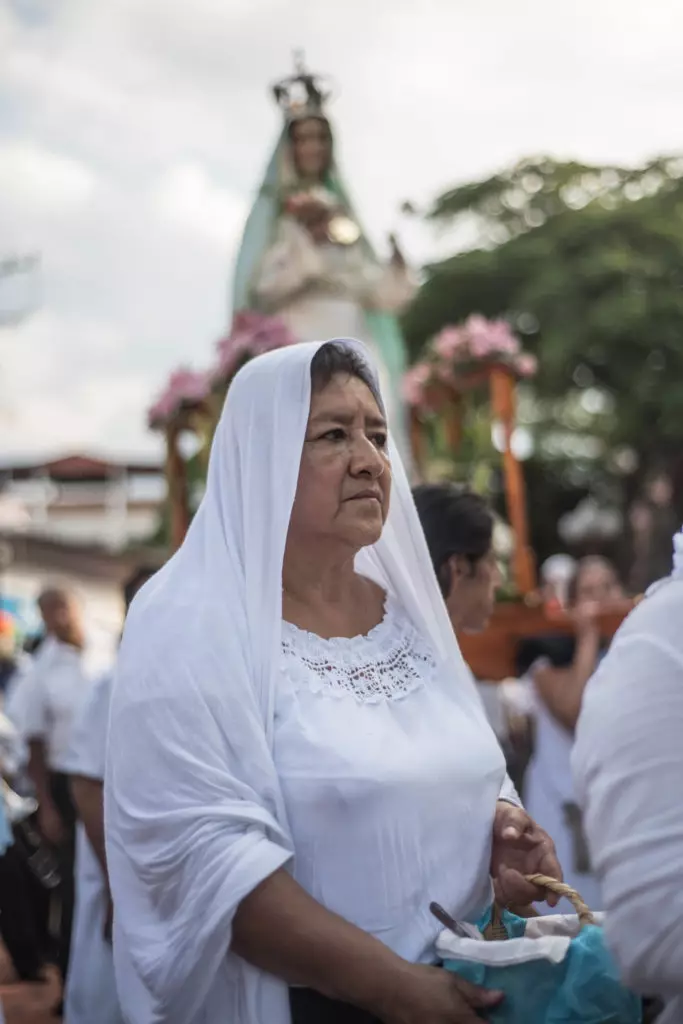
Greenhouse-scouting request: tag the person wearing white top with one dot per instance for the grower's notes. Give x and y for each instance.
(628, 766)
(559, 680)
(298, 762)
(55, 691)
(91, 987)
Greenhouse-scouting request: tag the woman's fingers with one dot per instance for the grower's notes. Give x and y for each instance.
(476, 996)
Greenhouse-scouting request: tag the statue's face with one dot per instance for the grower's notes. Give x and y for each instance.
(311, 147)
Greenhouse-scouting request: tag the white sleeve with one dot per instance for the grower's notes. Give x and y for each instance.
(16, 696)
(289, 265)
(30, 706)
(628, 767)
(88, 748)
(187, 839)
(509, 793)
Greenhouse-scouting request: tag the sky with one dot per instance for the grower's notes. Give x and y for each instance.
(133, 134)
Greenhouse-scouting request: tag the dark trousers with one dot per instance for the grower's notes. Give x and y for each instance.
(66, 855)
(309, 1007)
(24, 910)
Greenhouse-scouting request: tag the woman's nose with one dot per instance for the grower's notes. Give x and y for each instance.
(366, 458)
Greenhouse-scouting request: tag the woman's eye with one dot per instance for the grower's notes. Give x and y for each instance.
(337, 434)
(380, 439)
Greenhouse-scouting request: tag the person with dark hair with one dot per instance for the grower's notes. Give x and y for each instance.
(54, 692)
(298, 762)
(90, 986)
(458, 526)
(559, 673)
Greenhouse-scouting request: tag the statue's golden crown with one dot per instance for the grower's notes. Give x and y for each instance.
(302, 94)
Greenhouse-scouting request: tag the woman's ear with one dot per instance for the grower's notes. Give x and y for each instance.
(460, 567)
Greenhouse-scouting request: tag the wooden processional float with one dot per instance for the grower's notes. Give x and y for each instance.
(492, 654)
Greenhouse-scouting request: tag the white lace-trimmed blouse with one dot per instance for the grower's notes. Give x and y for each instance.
(390, 781)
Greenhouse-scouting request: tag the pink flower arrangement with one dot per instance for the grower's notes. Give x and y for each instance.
(185, 387)
(457, 348)
(414, 383)
(251, 335)
(526, 364)
(477, 338)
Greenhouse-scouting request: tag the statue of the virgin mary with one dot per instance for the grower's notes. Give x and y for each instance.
(304, 256)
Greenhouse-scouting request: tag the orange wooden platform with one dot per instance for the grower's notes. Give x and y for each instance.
(491, 654)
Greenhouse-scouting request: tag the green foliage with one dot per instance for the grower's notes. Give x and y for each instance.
(587, 264)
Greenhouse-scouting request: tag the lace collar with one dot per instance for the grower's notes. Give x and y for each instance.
(387, 663)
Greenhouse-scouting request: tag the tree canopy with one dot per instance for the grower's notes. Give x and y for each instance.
(587, 264)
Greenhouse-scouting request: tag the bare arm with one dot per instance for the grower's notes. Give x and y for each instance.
(561, 689)
(284, 931)
(39, 773)
(322, 951)
(88, 797)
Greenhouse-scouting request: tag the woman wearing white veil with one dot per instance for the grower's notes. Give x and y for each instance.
(298, 761)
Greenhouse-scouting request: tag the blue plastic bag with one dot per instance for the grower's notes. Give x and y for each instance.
(584, 988)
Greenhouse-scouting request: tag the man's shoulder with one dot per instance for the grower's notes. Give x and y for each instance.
(657, 617)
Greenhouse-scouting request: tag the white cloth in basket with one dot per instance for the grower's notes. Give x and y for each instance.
(546, 938)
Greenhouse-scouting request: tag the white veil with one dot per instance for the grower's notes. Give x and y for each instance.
(194, 813)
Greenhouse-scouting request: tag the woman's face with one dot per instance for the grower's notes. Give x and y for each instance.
(472, 593)
(311, 149)
(342, 497)
(597, 583)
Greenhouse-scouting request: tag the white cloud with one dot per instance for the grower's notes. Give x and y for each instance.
(41, 179)
(70, 388)
(186, 196)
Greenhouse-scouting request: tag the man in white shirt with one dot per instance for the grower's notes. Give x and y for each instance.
(91, 988)
(54, 694)
(628, 767)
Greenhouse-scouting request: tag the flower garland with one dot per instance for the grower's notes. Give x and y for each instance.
(252, 334)
(185, 387)
(457, 350)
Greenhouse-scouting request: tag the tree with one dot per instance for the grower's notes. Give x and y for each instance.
(587, 263)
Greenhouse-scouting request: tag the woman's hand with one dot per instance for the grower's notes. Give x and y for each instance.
(520, 848)
(586, 616)
(432, 995)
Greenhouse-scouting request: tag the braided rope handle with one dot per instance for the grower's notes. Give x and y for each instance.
(560, 889)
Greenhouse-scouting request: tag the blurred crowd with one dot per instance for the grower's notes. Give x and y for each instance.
(54, 903)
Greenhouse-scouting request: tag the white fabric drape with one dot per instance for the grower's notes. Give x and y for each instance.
(90, 986)
(194, 812)
(628, 766)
